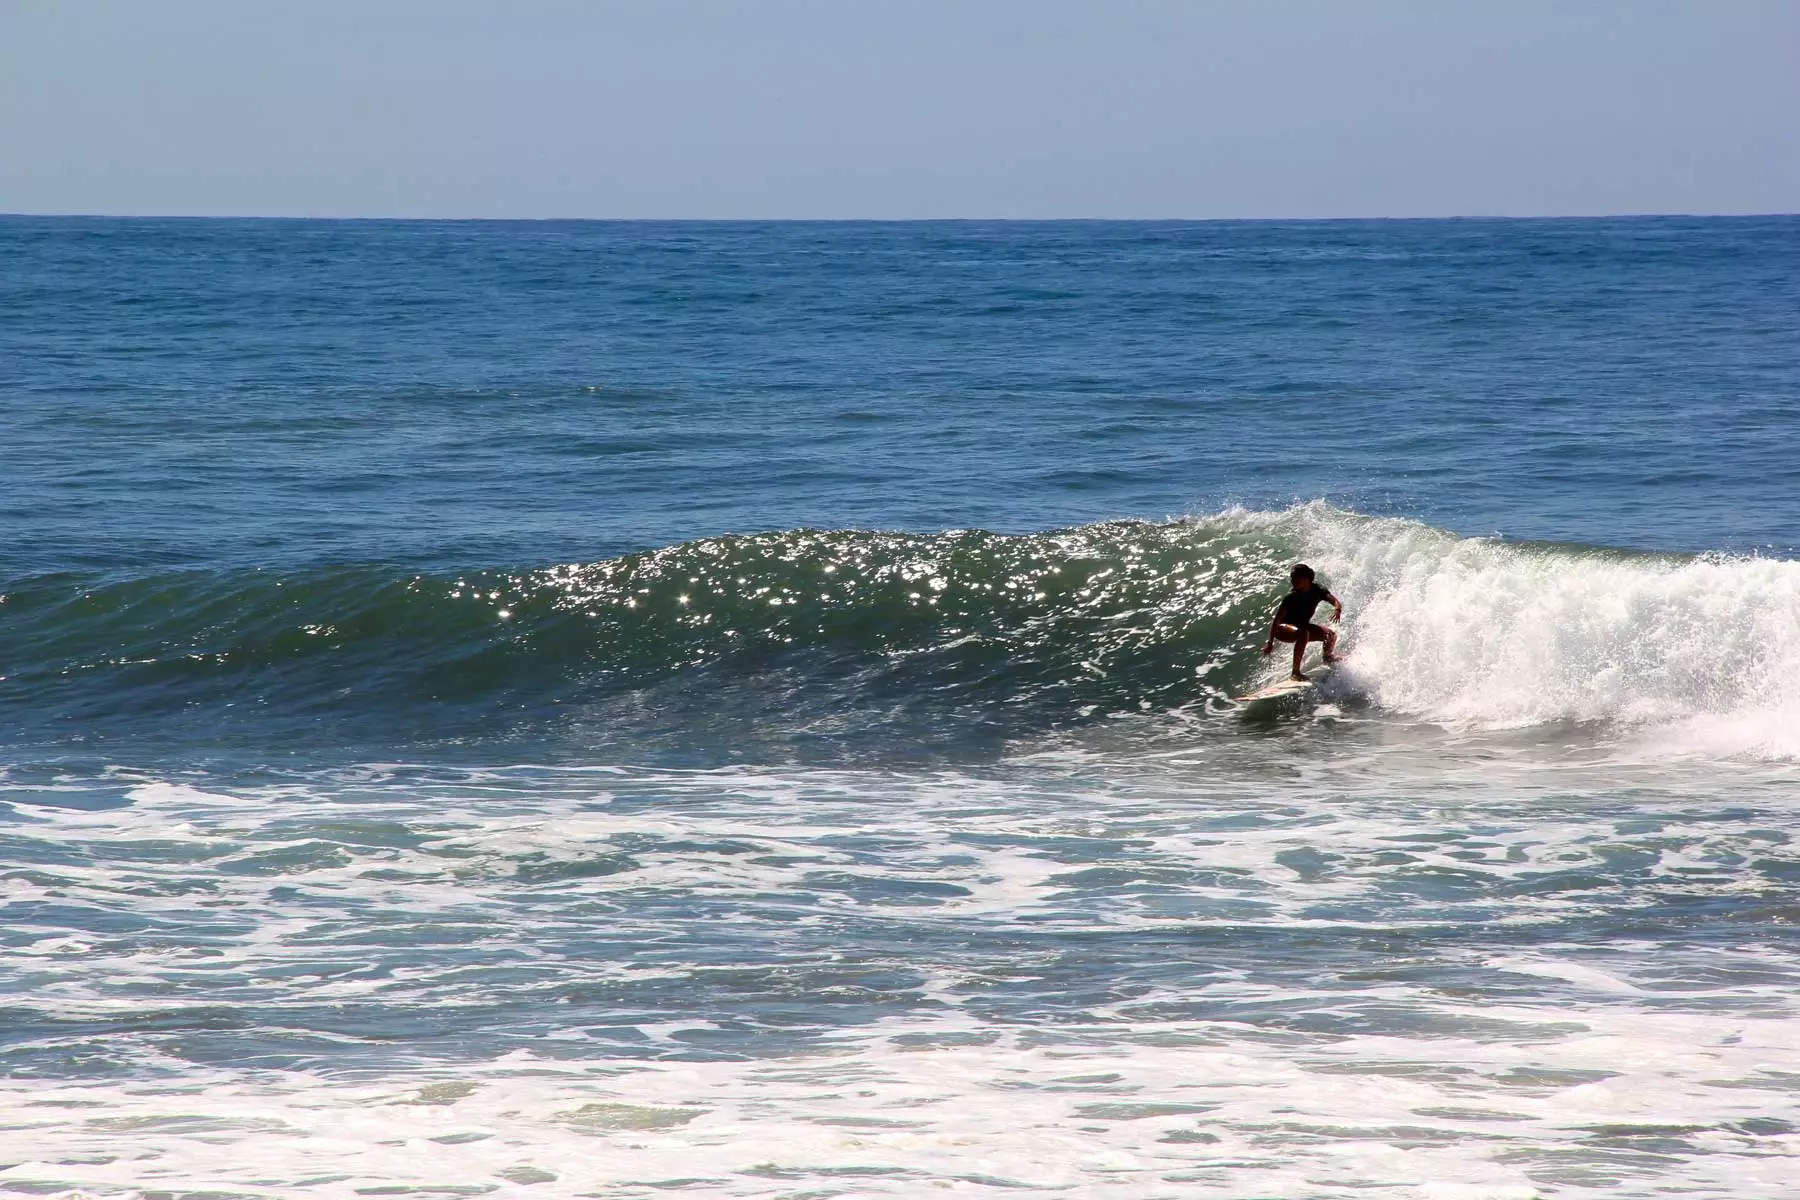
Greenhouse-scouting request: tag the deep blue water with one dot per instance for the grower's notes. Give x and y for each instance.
(582, 706)
(470, 394)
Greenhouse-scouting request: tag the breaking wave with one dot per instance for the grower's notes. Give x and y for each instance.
(915, 639)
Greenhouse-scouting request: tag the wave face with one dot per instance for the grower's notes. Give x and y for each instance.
(730, 640)
(851, 642)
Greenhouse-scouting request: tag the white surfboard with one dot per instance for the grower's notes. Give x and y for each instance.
(1286, 687)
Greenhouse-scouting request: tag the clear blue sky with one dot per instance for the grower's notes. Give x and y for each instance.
(899, 108)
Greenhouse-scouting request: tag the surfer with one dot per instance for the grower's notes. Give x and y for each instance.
(1293, 618)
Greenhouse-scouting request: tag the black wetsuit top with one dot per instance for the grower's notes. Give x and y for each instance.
(1297, 607)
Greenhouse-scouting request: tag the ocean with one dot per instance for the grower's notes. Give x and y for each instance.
(744, 709)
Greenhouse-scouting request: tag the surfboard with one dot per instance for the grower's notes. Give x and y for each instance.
(1286, 687)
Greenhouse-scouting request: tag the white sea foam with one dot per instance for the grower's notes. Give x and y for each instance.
(1699, 655)
(1140, 1110)
(1189, 983)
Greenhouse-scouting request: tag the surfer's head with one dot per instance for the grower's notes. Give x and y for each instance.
(1300, 574)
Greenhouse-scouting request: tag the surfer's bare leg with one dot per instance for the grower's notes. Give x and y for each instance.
(1296, 635)
(1302, 636)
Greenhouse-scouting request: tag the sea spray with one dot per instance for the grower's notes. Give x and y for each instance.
(1485, 633)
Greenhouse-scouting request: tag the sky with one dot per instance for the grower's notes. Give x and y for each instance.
(899, 108)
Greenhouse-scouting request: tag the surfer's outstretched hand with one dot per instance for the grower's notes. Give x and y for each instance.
(1268, 647)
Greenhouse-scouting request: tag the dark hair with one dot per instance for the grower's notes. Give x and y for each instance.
(1301, 571)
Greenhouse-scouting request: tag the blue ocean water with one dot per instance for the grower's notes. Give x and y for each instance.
(741, 709)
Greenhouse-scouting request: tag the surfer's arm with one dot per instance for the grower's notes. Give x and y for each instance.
(1337, 607)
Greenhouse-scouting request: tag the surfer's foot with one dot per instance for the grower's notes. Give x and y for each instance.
(1334, 658)
(1297, 677)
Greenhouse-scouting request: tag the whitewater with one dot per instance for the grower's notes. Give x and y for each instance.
(1067, 973)
(624, 709)
(1682, 652)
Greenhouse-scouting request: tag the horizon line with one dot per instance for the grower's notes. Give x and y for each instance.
(1621, 216)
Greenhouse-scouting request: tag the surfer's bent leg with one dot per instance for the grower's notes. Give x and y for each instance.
(1329, 637)
(1299, 635)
